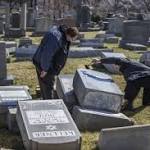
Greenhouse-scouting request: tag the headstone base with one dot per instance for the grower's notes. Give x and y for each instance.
(14, 33)
(91, 120)
(8, 81)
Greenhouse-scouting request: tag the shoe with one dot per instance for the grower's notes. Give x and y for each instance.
(146, 103)
(127, 106)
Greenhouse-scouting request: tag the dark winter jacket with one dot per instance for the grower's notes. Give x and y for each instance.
(52, 52)
(131, 70)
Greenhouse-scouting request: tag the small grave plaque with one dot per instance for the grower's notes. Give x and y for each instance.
(47, 125)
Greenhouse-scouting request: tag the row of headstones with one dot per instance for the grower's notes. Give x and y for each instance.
(135, 33)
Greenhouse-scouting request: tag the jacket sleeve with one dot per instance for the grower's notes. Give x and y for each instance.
(49, 48)
(113, 60)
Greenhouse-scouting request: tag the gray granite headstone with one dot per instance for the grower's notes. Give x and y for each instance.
(125, 138)
(95, 43)
(46, 125)
(136, 32)
(65, 91)
(82, 52)
(97, 91)
(92, 120)
(25, 41)
(15, 20)
(145, 58)
(112, 67)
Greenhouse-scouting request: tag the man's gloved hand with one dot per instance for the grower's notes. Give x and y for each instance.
(95, 61)
(43, 74)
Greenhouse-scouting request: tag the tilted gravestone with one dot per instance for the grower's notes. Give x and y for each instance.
(82, 52)
(95, 43)
(92, 120)
(9, 97)
(145, 58)
(136, 32)
(4, 79)
(47, 125)
(125, 138)
(112, 67)
(97, 91)
(65, 91)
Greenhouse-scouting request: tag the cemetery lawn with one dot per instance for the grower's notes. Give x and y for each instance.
(24, 73)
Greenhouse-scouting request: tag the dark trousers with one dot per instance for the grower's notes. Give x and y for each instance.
(46, 85)
(133, 88)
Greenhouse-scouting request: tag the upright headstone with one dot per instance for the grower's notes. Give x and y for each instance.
(4, 79)
(92, 120)
(112, 67)
(136, 32)
(125, 138)
(25, 41)
(30, 17)
(65, 90)
(1, 25)
(97, 91)
(15, 20)
(47, 125)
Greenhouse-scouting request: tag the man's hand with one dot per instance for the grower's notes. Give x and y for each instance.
(95, 61)
(43, 74)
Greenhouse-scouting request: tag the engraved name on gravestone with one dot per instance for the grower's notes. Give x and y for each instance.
(97, 90)
(112, 67)
(47, 125)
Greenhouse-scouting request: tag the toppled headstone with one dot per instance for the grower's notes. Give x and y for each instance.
(26, 53)
(112, 40)
(65, 91)
(97, 91)
(145, 58)
(82, 52)
(112, 67)
(92, 120)
(10, 95)
(47, 124)
(135, 47)
(95, 43)
(125, 138)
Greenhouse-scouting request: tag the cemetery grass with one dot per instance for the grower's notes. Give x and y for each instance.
(25, 74)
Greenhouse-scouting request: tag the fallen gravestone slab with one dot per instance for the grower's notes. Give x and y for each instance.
(9, 97)
(125, 138)
(112, 40)
(145, 58)
(65, 91)
(46, 125)
(92, 120)
(95, 43)
(133, 46)
(112, 68)
(97, 90)
(82, 52)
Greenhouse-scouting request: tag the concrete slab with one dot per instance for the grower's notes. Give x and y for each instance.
(97, 90)
(47, 124)
(91, 120)
(95, 43)
(65, 90)
(111, 67)
(83, 52)
(125, 138)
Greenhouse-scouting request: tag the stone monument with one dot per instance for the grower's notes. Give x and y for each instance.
(47, 125)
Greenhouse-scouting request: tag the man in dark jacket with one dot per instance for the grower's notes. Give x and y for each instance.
(136, 75)
(51, 57)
